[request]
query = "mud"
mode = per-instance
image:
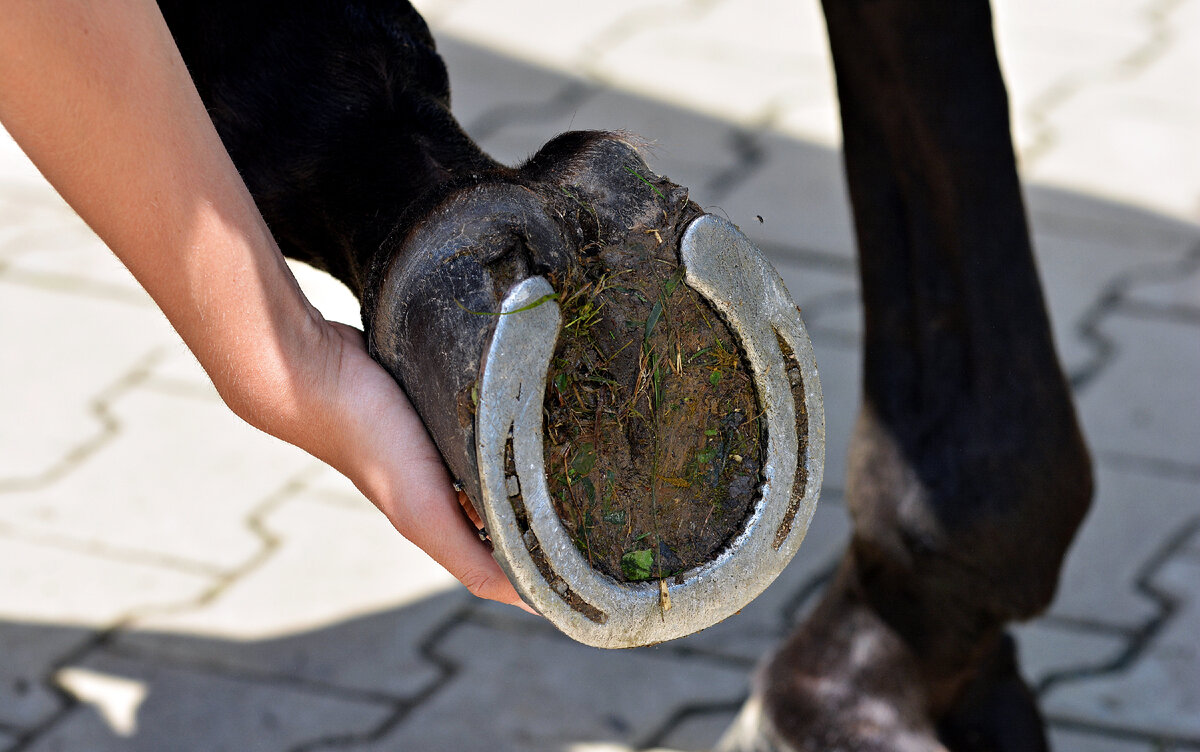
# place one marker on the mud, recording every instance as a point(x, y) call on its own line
point(654, 444)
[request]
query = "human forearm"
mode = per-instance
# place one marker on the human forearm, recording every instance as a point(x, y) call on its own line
point(99, 97)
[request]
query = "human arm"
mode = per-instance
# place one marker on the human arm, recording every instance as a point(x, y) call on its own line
point(98, 96)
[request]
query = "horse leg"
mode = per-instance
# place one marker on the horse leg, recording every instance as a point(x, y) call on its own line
point(968, 475)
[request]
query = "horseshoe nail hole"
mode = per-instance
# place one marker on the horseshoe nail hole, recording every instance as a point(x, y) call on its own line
point(796, 381)
point(533, 546)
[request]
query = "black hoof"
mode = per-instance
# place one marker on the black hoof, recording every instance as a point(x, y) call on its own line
point(567, 453)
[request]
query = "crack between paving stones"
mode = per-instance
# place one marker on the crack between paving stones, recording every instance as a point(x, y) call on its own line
point(68, 703)
point(251, 676)
point(169, 387)
point(1175, 313)
point(517, 624)
point(1142, 636)
point(1111, 301)
point(1103, 348)
point(657, 737)
point(1166, 272)
point(77, 286)
point(713, 657)
point(401, 710)
point(1153, 466)
point(104, 638)
point(790, 613)
point(100, 408)
point(1157, 742)
point(1079, 624)
point(749, 156)
point(631, 25)
point(103, 550)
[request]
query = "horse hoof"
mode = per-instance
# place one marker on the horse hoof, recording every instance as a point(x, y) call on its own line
point(845, 681)
point(641, 475)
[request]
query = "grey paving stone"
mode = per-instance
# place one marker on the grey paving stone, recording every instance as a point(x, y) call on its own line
point(1047, 649)
point(1165, 79)
point(344, 601)
point(821, 284)
point(328, 485)
point(557, 36)
point(542, 694)
point(1046, 54)
point(720, 62)
point(778, 53)
point(517, 132)
point(1133, 516)
point(799, 190)
point(1150, 156)
point(134, 705)
point(699, 732)
point(49, 259)
point(30, 650)
point(833, 315)
point(332, 298)
point(1063, 740)
point(1142, 231)
point(812, 114)
point(53, 600)
point(433, 10)
point(43, 242)
point(18, 172)
point(1145, 402)
point(1175, 291)
point(187, 470)
point(487, 86)
point(47, 399)
point(760, 626)
point(694, 150)
point(176, 371)
point(1159, 694)
point(7, 741)
point(1085, 246)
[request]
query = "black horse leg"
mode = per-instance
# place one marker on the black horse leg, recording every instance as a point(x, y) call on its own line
point(336, 114)
point(967, 475)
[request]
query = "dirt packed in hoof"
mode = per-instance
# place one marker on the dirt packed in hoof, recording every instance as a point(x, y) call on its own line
point(654, 443)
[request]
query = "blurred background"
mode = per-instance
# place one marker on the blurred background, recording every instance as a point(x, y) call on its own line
point(172, 579)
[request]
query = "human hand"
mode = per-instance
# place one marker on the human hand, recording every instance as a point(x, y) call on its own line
point(364, 426)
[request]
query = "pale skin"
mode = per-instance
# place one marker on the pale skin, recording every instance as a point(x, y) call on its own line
point(99, 98)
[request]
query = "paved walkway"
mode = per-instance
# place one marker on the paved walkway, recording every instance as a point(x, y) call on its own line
point(172, 580)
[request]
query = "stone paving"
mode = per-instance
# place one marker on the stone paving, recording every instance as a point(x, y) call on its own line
point(170, 579)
